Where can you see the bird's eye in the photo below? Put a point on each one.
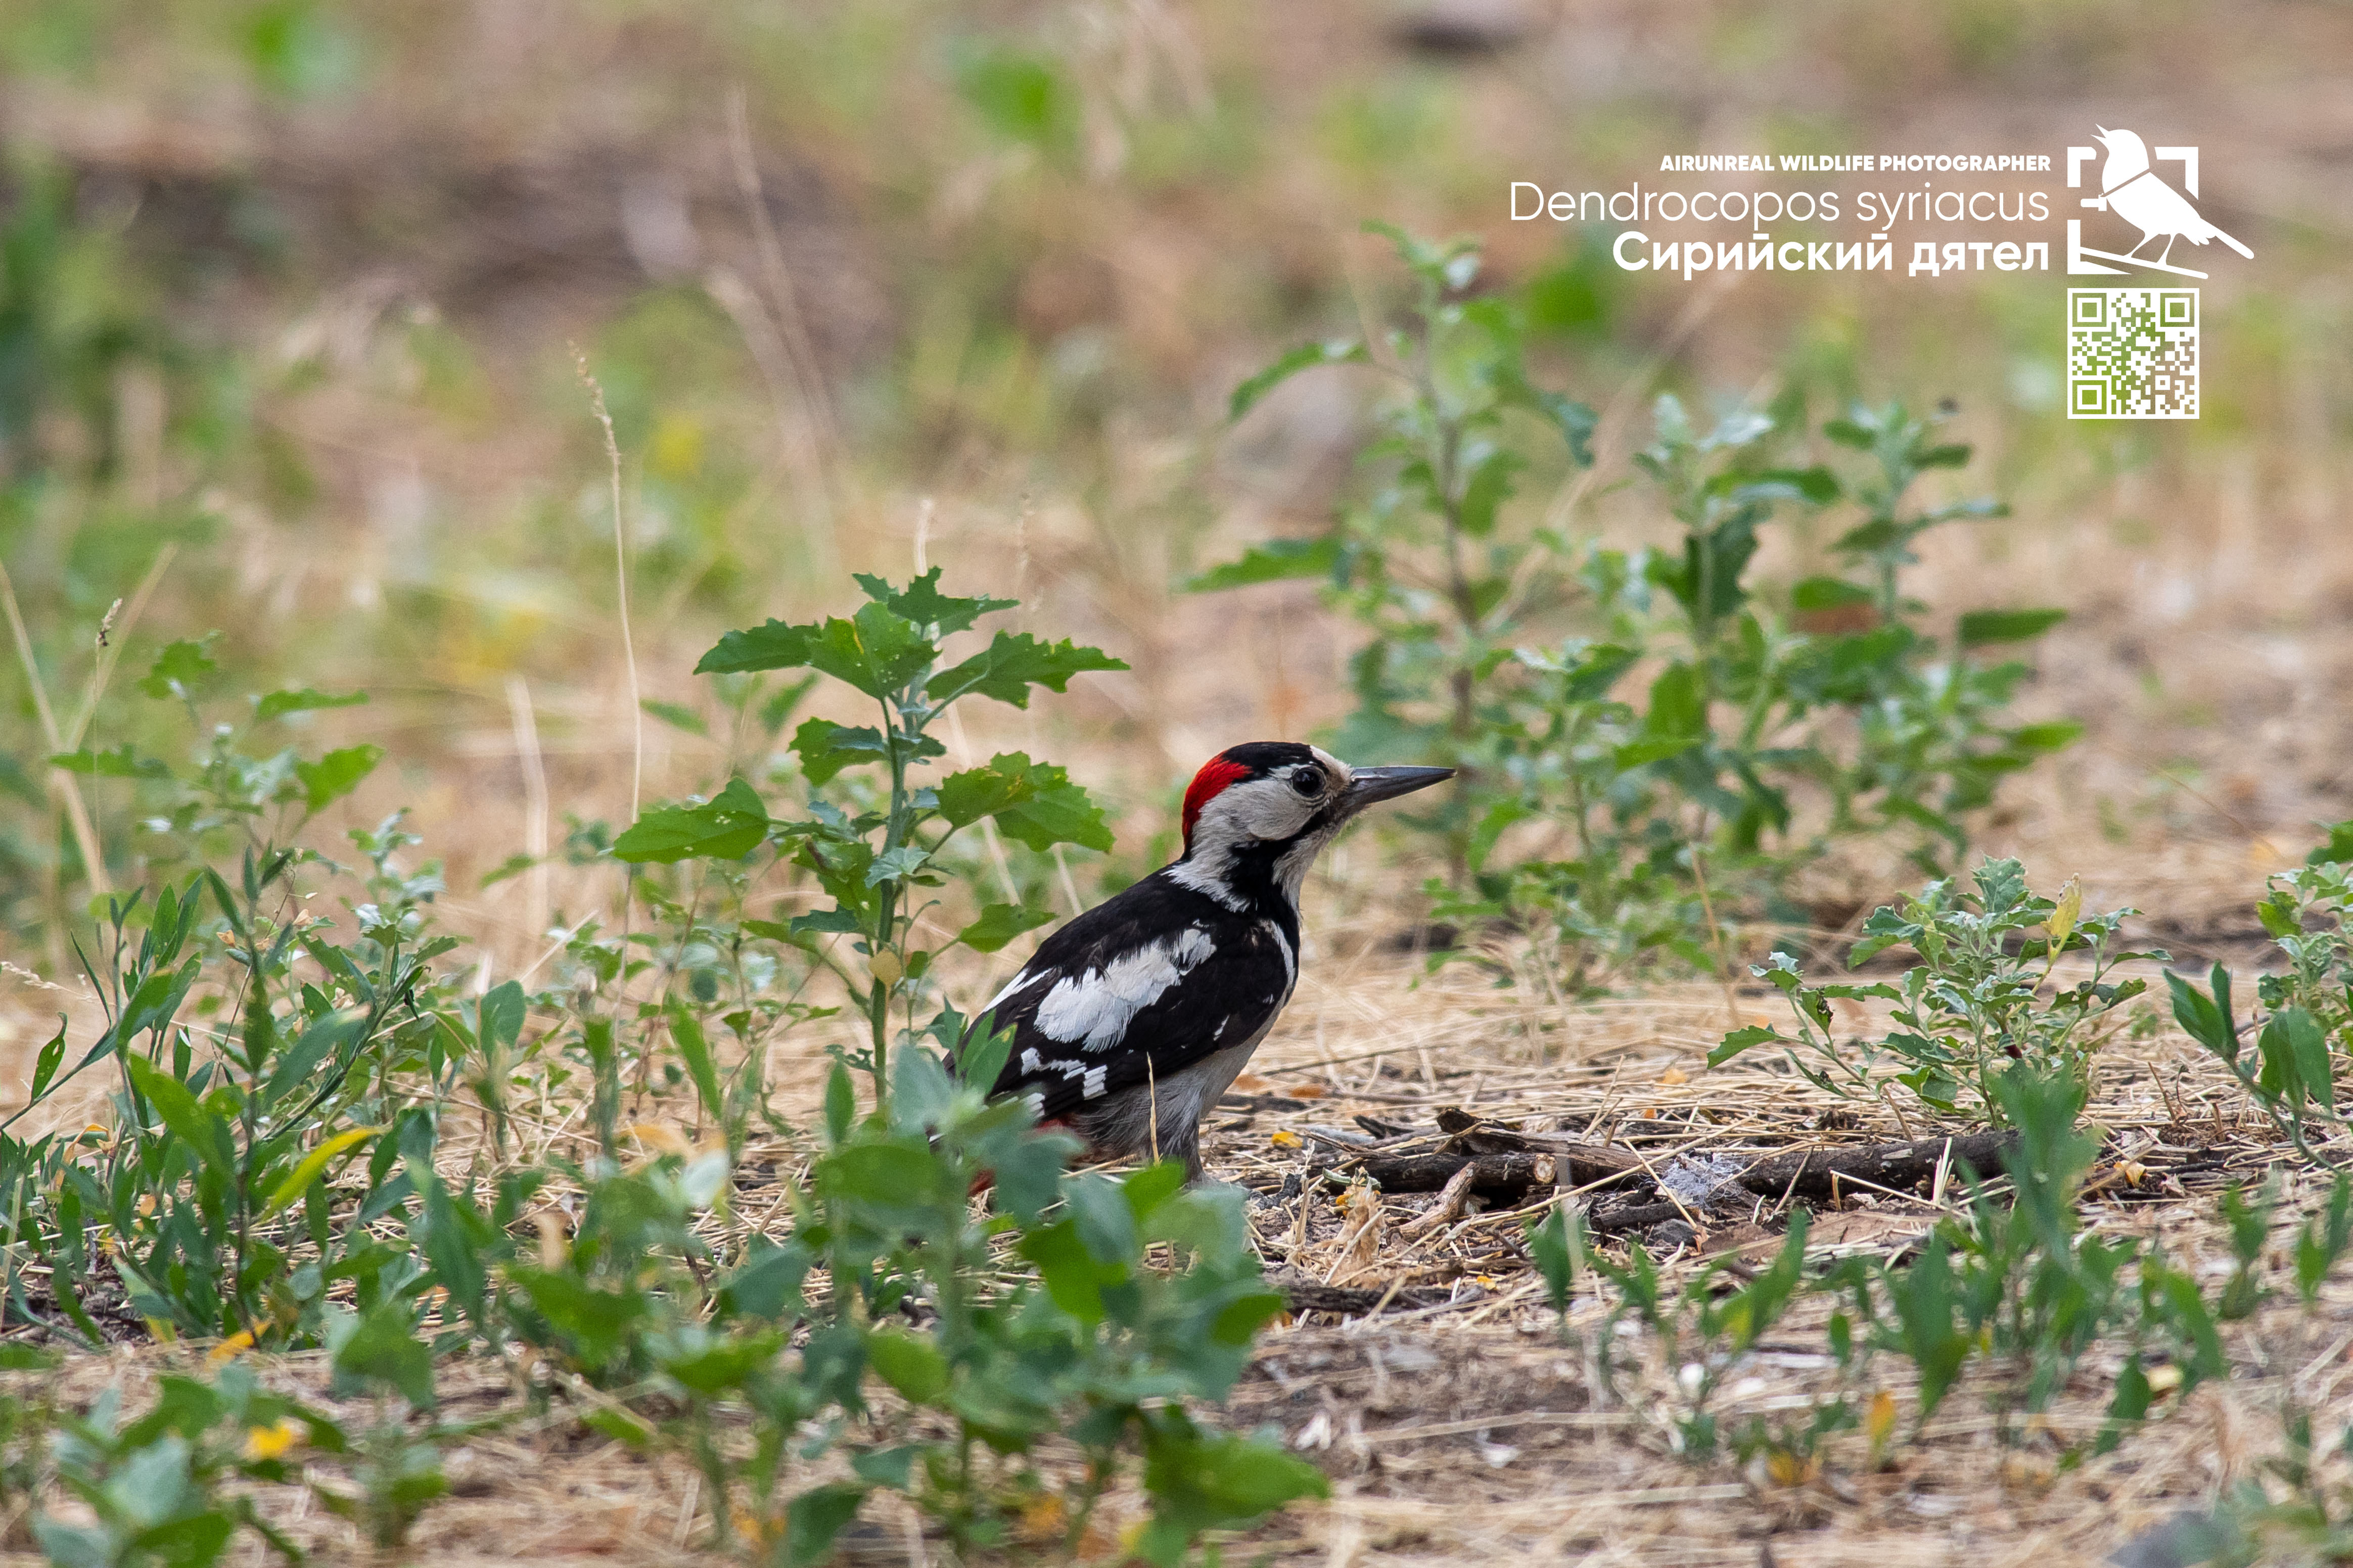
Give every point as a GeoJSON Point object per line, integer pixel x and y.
{"type": "Point", "coordinates": [1308, 781]}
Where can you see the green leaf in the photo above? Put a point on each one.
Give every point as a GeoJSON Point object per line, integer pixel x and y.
{"type": "Point", "coordinates": [840, 1105]}
{"type": "Point", "coordinates": [825, 748]}
{"type": "Point", "coordinates": [514, 865]}
{"type": "Point", "coordinates": [1828, 594]}
{"type": "Point", "coordinates": [1021, 96]}
{"type": "Point", "coordinates": [118, 763]}
{"type": "Point", "coordinates": [701, 1066]}
{"type": "Point", "coordinates": [2310, 1048]}
{"type": "Point", "coordinates": [182, 668]}
{"type": "Point", "coordinates": [677, 715]}
{"type": "Point", "coordinates": [897, 865]}
{"type": "Point", "coordinates": [45, 1067]}
{"type": "Point", "coordinates": [813, 1518]}
{"type": "Point", "coordinates": [1818, 485]}
{"type": "Point", "coordinates": [1337, 351]}
{"type": "Point", "coordinates": [997, 924]}
{"type": "Point", "coordinates": [1678, 705]}
{"type": "Point", "coordinates": [1552, 1245]}
{"type": "Point", "coordinates": [379, 1349]}
{"type": "Point", "coordinates": [2202, 1017]}
{"type": "Point", "coordinates": [278, 704]}
{"type": "Point", "coordinates": [1979, 627]}
{"type": "Point", "coordinates": [876, 651]}
{"type": "Point", "coordinates": [1489, 487]}
{"type": "Point", "coordinates": [1011, 664]}
{"type": "Point", "coordinates": [908, 1363]}
{"type": "Point", "coordinates": [1271, 562]}
{"type": "Point", "coordinates": [922, 603]}
{"type": "Point", "coordinates": [2055, 736]}
{"type": "Point", "coordinates": [1208, 1481]}
{"type": "Point", "coordinates": [771, 645]}
{"type": "Point", "coordinates": [767, 1282]}
{"type": "Point", "coordinates": [1740, 1040]}
{"type": "Point", "coordinates": [501, 1013]}
{"type": "Point", "coordinates": [183, 1114]}
{"type": "Point", "coordinates": [726, 827]}
{"type": "Point", "coordinates": [314, 1164]}
{"type": "Point", "coordinates": [1073, 1276]}
{"type": "Point", "coordinates": [1033, 803]}
{"type": "Point", "coordinates": [337, 774]}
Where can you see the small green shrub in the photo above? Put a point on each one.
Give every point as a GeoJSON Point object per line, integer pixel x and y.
{"type": "Point", "coordinates": [2304, 1020]}
{"type": "Point", "coordinates": [154, 1485]}
{"type": "Point", "coordinates": [1777, 720]}
{"type": "Point", "coordinates": [874, 846]}
{"type": "Point", "coordinates": [1972, 1006]}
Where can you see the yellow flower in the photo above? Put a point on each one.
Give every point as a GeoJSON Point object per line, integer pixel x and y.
{"type": "Point", "coordinates": [1286, 1138]}
{"type": "Point", "coordinates": [229, 1348]}
{"type": "Point", "coordinates": [2069, 909]}
{"type": "Point", "coordinates": [271, 1442]}
{"type": "Point", "coordinates": [658, 1138]}
{"type": "Point", "coordinates": [1044, 1517]}
{"type": "Point", "coordinates": [1879, 1425]}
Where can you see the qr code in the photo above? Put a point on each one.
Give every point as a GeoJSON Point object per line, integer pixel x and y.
{"type": "Point", "coordinates": [2132, 354]}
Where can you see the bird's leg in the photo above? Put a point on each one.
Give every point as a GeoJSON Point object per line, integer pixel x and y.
{"type": "Point", "coordinates": [2168, 248]}
{"type": "Point", "coordinates": [2134, 251]}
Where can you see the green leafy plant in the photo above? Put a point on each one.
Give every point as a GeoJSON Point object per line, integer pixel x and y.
{"type": "Point", "coordinates": [155, 1486]}
{"type": "Point", "coordinates": [1610, 825]}
{"type": "Point", "coordinates": [1975, 1002]}
{"type": "Point", "coordinates": [874, 846]}
{"type": "Point", "coordinates": [1699, 1331]}
{"type": "Point", "coordinates": [2304, 1017]}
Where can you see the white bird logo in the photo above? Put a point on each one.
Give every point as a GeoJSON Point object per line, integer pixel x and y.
{"type": "Point", "coordinates": [2130, 188]}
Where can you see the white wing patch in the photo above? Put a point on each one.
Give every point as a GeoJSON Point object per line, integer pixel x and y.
{"type": "Point", "coordinates": [1017, 983]}
{"type": "Point", "coordinates": [1093, 1010]}
{"type": "Point", "coordinates": [1290, 959]}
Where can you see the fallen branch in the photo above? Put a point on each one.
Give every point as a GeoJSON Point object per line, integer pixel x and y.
{"type": "Point", "coordinates": [1506, 1176]}
{"type": "Point", "coordinates": [1305, 1295]}
{"type": "Point", "coordinates": [1810, 1173]}
{"type": "Point", "coordinates": [1633, 1216]}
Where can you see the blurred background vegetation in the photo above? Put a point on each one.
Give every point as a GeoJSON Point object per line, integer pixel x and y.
{"type": "Point", "coordinates": [291, 293]}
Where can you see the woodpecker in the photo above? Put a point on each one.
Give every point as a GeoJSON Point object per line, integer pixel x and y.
{"type": "Point", "coordinates": [1130, 1022]}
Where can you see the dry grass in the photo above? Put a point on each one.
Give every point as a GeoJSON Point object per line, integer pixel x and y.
{"type": "Point", "coordinates": [1456, 1423]}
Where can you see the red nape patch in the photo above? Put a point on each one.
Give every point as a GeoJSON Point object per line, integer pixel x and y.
{"type": "Point", "coordinates": [1214, 776]}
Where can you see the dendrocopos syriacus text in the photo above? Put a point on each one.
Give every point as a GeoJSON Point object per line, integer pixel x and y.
{"type": "Point", "coordinates": [1132, 1020]}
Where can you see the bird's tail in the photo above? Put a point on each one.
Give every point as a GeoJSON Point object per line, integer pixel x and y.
{"type": "Point", "coordinates": [2234, 243]}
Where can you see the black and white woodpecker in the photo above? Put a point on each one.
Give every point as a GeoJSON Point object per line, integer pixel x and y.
{"type": "Point", "coordinates": [1132, 1020]}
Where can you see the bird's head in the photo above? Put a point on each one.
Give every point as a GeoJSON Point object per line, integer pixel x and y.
{"type": "Point", "coordinates": [1279, 802]}
{"type": "Point", "coordinates": [2124, 147]}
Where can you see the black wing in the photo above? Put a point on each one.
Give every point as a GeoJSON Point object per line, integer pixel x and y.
{"type": "Point", "coordinates": [1221, 998]}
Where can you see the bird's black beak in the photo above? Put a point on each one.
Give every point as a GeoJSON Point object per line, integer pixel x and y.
{"type": "Point", "coordinates": [1369, 785]}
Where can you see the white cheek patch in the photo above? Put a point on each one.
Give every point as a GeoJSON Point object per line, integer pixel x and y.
{"type": "Point", "coordinates": [1268, 809]}
{"type": "Point", "coordinates": [1093, 1010]}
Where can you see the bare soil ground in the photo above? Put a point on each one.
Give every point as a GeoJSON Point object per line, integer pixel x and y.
{"type": "Point", "coordinates": [1423, 1368]}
